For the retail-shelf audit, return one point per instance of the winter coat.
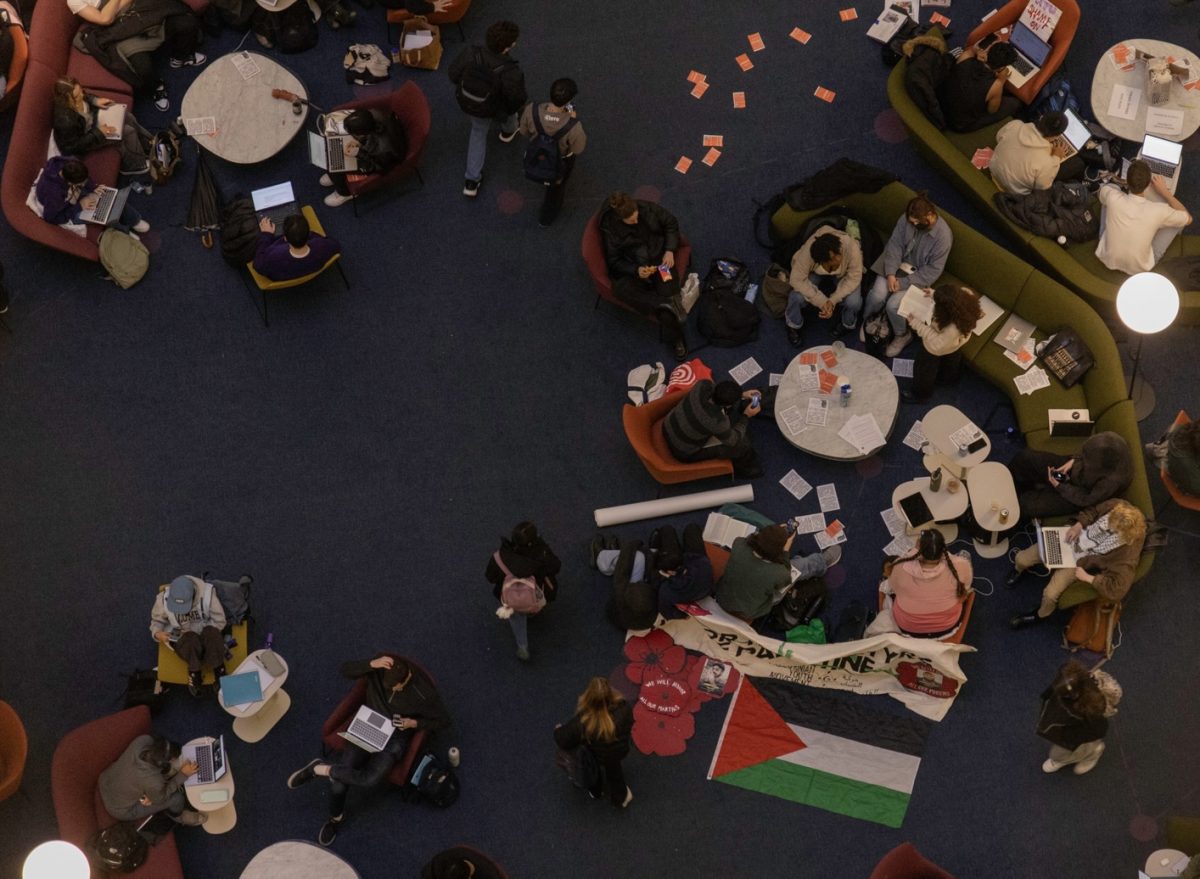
(627, 248)
(571, 734)
(928, 67)
(1064, 209)
(1059, 725)
(844, 177)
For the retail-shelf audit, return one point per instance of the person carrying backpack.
(489, 86)
(602, 723)
(525, 555)
(556, 137)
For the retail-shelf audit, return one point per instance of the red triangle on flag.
(754, 733)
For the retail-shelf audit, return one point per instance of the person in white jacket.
(956, 311)
(1029, 155)
(189, 617)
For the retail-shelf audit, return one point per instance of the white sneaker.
(628, 798)
(898, 344)
(336, 199)
(1052, 765)
(141, 226)
(1083, 767)
(862, 331)
(325, 180)
(832, 555)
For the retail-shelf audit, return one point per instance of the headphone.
(159, 754)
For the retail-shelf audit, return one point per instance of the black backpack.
(435, 783)
(234, 597)
(724, 317)
(239, 232)
(803, 602)
(480, 87)
(295, 29)
(543, 159)
(852, 624)
(117, 849)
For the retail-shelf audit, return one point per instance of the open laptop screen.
(1028, 44)
(270, 196)
(1163, 150)
(1077, 132)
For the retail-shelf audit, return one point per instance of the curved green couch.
(1075, 265)
(1016, 286)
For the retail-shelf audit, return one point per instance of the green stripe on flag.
(833, 793)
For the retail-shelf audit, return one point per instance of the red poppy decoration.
(663, 734)
(653, 655)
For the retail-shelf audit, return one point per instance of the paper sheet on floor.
(796, 484)
(893, 521)
(810, 524)
(901, 367)
(745, 371)
(827, 497)
(774, 378)
(915, 438)
(900, 545)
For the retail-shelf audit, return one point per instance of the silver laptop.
(1076, 136)
(1032, 51)
(114, 115)
(1053, 548)
(277, 202)
(1015, 332)
(1164, 158)
(210, 758)
(329, 153)
(109, 205)
(369, 729)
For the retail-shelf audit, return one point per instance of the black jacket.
(75, 133)
(1059, 726)
(512, 81)
(840, 179)
(1102, 470)
(570, 735)
(1063, 209)
(627, 248)
(419, 699)
(443, 863)
(385, 147)
(536, 560)
(928, 67)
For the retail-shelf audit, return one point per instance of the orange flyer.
(744, 62)
(808, 358)
(739, 100)
(938, 18)
(825, 94)
(696, 76)
(714, 140)
(683, 164)
(800, 36)
(848, 14)
(699, 89)
(710, 158)
(756, 42)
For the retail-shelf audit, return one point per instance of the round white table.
(1163, 863)
(222, 816)
(991, 491)
(253, 720)
(874, 392)
(251, 125)
(945, 506)
(938, 424)
(295, 859)
(1108, 75)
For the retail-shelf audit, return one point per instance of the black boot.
(1013, 577)
(1021, 620)
(795, 337)
(341, 15)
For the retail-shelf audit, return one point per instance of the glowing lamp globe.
(1147, 303)
(56, 860)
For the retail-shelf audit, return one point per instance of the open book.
(916, 304)
(724, 530)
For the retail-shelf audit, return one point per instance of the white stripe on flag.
(850, 759)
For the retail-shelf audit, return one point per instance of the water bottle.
(230, 643)
(844, 396)
(935, 480)
(1011, 434)
(270, 641)
(454, 757)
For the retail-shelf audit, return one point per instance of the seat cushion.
(93, 76)
(991, 363)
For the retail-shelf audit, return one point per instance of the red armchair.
(332, 743)
(644, 430)
(14, 751)
(1181, 497)
(1060, 41)
(412, 109)
(905, 862)
(592, 250)
(74, 771)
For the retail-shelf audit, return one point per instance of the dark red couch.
(78, 761)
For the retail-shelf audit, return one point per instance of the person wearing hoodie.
(1029, 155)
(925, 591)
(1059, 485)
(64, 190)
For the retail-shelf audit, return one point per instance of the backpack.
(1092, 626)
(480, 87)
(878, 332)
(117, 849)
(234, 597)
(124, 258)
(165, 152)
(646, 383)
(543, 159)
(1056, 96)
(801, 604)
(143, 688)
(725, 318)
(366, 64)
(852, 624)
(295, 29)
(522, 594)
(239, 232)
(434, 782)
(775, 289)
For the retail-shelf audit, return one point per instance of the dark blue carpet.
(362, 456)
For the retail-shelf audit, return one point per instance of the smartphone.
(569, 106)
(664, 272)
(755, 398)
(987, 41)
(790, 525)
(1059, 475)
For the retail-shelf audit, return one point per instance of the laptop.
(1164, 158)
(329, 153)
(369, 729)
(1032, 51)
(114, 115)
(109, 205)
(1076, 136)
(1015, 332)
(276, 202)
(1053, 548)
(210, 758)
(1070, 422)
(915, 510)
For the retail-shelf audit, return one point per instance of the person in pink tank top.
(925, 590)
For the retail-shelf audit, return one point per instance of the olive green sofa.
(1075, 265)
(1013, 284)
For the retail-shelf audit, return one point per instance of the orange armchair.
(453, 15)
(592, 250)
(643, 427)
(14, 750)
(1181, 497)
(1060, 41)
(412, 109)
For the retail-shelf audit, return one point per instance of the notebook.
(240, 689)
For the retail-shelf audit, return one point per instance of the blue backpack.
(1056, 96)
(543, 159)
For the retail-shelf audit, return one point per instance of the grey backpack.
(124, 258)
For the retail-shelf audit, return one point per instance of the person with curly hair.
(1177, 453)
(956, 311)
(602, 723)
(925, 590)
(760, 571)
(1073, 719)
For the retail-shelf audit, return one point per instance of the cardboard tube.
(608, 516)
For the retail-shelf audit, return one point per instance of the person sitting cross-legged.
(924, 591)
(299, 252)
(395, 689)
(188, 616)
(759, 571)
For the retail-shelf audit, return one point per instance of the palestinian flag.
(785, 740)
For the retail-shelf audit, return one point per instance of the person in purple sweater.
(64, 190)
(299, 252)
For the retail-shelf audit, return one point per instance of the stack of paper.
(810, 524)
(1032, 380)
(862, 432)
(1023, 356)
(917, 304)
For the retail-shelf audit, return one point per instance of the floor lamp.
(56, 860)
(1146, 303)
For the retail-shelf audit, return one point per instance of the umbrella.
(204, 211)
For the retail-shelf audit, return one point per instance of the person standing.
(525, 554)
(556, 119)
(490, 87)
(1073, 720)
(956, 311)
(602, 723)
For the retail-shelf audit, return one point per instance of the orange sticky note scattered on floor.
(848, 14)
(800, 36)
(739, 100)
(710, 158)
(744, 62)
(696, 76)
(825, 94)
(756, 42)
(938, 18)
(699, 89)
(714, 140)
(683, 164)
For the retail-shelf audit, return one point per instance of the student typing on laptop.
(299, 252)
(147, 778)
(378, 144)
(1107, 542)
(972, 95)
(1029, 155)
(399, 691)
(64, 191)
(1130, 222)
(1058, 485)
